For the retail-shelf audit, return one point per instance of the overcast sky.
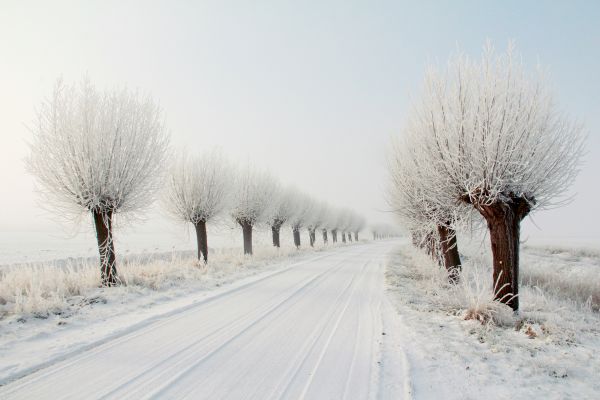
(311, 90)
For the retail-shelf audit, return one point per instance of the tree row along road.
(312, 331)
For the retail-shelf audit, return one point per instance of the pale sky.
(312, 91)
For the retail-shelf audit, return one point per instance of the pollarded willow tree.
(352, 217)
(492, 136)
(344, 222)
(98, 152)
(253, 193)
(335, 222)
(358, 224)
(285, 206)
(304, 207)
(198, 190)
(384, 231)
(327, 215)
(424, 206)
(316, 218)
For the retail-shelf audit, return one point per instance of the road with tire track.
(312, 330)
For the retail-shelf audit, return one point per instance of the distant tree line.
(107, 153)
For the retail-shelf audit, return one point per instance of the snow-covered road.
(310, 330)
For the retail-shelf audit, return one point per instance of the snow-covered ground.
(315, 326)
(51, 309)
(549, 351)
(310, 324)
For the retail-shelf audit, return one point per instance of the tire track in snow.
(332, 332)
(181, 394)
(239, 329)
(285, 385)
(305, 350)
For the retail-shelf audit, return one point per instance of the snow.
(311, 328)
(70, 310)
(548, 351)
(369, 320)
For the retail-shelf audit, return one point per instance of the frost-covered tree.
(350, 218)
(424, 206)
(492, 135)
(100, 153)
(336, 222)
(384, 231)
(353, 223)
(358, 225)
(317, 216)
(198, 190)
(303, 209)
(344, 222)
(252, 196)
(327, 214)
(284, 209)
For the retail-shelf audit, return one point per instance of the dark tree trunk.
(356, 236)
(325, 240)
(202, 241)
(296, 237)
(275, 228)
(106, 247)
(349, 237)
(247, 233)
(334, 235)
(343, 237)
(504, 222)
(450, 253)
(312, 237)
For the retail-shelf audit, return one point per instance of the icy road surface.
(310, 330)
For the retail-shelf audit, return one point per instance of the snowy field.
(461, 345)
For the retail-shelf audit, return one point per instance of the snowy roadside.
(548, 351)
(29, 341)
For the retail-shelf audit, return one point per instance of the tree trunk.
(504, 222)
(325, 240)
(275, 228)
(343, 237)
(334, 235)
(296, 237)
(312, 237)
(450, 253)
(349, 237)
(247, 233)
(106, 247)
(356, 236)
(202, 241)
